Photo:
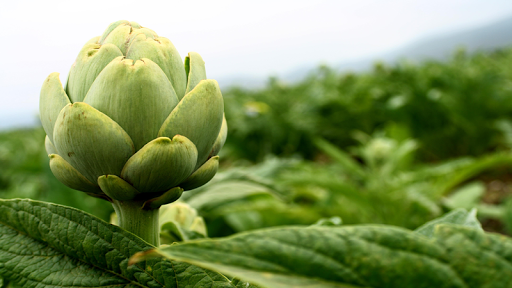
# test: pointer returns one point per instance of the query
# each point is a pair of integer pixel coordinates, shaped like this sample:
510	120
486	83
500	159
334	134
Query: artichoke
133	123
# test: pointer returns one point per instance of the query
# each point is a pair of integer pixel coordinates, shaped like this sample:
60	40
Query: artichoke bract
134	122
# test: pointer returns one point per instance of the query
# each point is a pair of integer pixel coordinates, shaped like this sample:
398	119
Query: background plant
451	108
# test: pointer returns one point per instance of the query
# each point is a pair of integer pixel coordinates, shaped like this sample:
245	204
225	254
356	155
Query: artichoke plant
134	125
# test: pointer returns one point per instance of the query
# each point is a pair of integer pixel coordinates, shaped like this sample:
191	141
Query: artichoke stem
141	222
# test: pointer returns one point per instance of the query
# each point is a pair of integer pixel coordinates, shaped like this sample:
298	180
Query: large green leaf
48	245
481	260
362	256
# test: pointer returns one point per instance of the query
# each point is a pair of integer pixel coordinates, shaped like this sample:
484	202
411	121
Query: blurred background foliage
455	108
400	144
25	173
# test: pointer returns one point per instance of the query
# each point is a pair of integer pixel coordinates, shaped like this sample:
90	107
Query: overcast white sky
249	38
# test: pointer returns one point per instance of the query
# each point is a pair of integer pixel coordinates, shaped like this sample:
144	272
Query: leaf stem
141	222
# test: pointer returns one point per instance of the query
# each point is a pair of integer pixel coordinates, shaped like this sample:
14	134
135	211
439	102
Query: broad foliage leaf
48	245
360	256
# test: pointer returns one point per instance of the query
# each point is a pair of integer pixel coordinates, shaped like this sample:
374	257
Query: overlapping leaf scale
361	256
48	245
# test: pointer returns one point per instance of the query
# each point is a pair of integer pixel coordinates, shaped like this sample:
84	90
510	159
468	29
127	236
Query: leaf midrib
440	261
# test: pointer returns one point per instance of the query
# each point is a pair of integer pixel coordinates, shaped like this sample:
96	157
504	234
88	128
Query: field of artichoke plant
395	177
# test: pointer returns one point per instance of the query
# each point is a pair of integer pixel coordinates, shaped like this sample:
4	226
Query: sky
235	38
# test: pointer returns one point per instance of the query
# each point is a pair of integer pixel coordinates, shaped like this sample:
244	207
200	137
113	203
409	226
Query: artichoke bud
134	121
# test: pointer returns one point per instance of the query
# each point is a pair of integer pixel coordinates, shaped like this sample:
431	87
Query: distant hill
489	37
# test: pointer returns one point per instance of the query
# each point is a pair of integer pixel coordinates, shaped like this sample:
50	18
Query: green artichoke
134	122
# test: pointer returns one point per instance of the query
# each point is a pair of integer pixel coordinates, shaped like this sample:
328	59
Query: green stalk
141	222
